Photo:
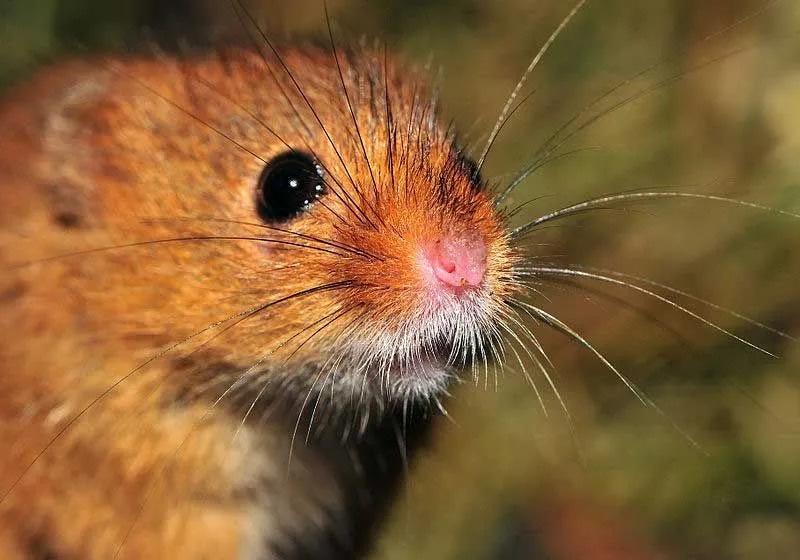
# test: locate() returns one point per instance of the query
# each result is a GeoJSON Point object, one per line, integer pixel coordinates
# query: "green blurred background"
{"type": "Point", "coordinates": [504, 479]}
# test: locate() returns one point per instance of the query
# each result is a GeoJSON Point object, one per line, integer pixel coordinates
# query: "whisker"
{"type": "Point", "coordinates": [536, 166]}
{"type": "Point", "coordinates": [525, 373]}
{"type": "Point", "coordinates": [349, 102]}
{"type": "Point", "coordinates": [509, 214]}
{"type": "Point", "coordinates": [206, 414]}
{"type": "Point", "coordinates": [242, 314]}
{"type": "Point", "coordinates": [565, 329]}
{"type": "Point", "coordinates": [308, 237]}
{"type": "Point", "coordinates": [639, 196]}
{"type": "Point", "coordinates": [322, 203]}
{"type": "Point", "coordinates": [111, 388]}
{"type": "Point", "coordinates": [622, 302]}
{"type": "Point", "coordinates": [198, 238]}
{"type": "Point", "coordinates": [299, 419]}
{"type": "Point", "coordinates": [562, 327]}
{"type": "Point", "coordinates": [693, 297]}
{"type": "Point", "coordinates": [641, 396]}
{"type": "Point", "coordinates": [151, 487]}
{"type": "Point", "coordinates": [551, 382]}
{"type": "Point", "coordinates": [547, 375]}
{"type": "Point", "coordinates": [238, 8]}
{"type": "Point", "coordinates": [500, 125]}
{"type": "Point", "coordinates": [316, 406]}
{"type": "Point", "coordinates": [241, 108]}
{"type": "Point", "coordinates": [261, 122]}
{"type": "Point", "coordinates": [575, 272]}
{"type": "Point", "coordinates": [553, 144]}
{"type": "Point", "coordinates": [535, 62]}
{"type": "Point", "coordinates": [284, 343]}
{"type": "Point", "coordinates": [113, 68]}
{"type": "Point", "coordinates": [409, 125]}
{"type": "Point", "coordinates": [629, 80]}
{"type": "Point", "coordinates": [402, 447]}
{"type": "Point", "coordinates": [389, 118]}
{"type": "Point", "coordinates": [305, 99]}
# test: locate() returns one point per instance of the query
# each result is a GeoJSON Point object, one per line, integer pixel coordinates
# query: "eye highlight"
{"type": "Point", "coordinates": [288, 186]}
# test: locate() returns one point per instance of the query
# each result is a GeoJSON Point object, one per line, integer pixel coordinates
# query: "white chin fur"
{"type": "Point", "coordinates": [417, 360]}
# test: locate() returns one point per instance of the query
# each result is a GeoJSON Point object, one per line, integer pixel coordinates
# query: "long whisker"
{"type": "Point", "coordinates": [498, 129]}
{"type": "Point", "coordinates": [349, 102]}
{"type": "Point", "coordinates": [151, 487]}
{"type": "Point", "coordinates": [241, 108]}
{"type": "Point", "coordinates": [622, 302]}
{"type": "Point", "coordinates": [525, 373]}
{"type": "Point", "coordinates": [188, 239]}
{"type": "Point", "coordinates": [548, 377]}
{"type": "Point", "coordinates": [324, 287]}
{"type": "Point", "coordinates": [558, 325]}
{"type": "Point", "coordinates": [389, 117]}
{"type": "Point", "coordinates": [269, 129]}
{"type": "Point", "coordinates": [302, 93]}
{"type": "Point", "coordinates": [247, 313]}
{"type": "Point", "coordinates": [208, 412]}
{"type": "Point", "coordinates": [627, 81]}
{"type": "Point", "coordinates": [533, 64]}
{"type": "Point", "coordinates": [308, 237]}
{"type": "Point", "coordinates": [693, 297]}
{"type": "Point", "coordinates": [574, 272]}
{"type": "Point", "coordinates": [639, 196]}
{"type": "Point", "coordinates": [409, 125]}
{"type": "Point", "coordinates": [238, 9]}
{"type": "Point", "coordinates": [336, 316]}
{"type": "Point", "coordinates": [562, 327]}
{"type": "Point", "coordinates": [300, 417]}
{"type": "Point", "coordinates": [241, 11]}
{"type": "Point", "coordinates": [316, 405]}
{"type": "Point", "coordinates": [554, 143]}
{"type": "Point", "coordinates": [538, 164]}
{"type": "Point", "coordinates": [115, 69]}
{"type": "Point", "coordinates": [326, 319]}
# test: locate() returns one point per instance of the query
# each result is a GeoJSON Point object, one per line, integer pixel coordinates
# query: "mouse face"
{"type": "Point", "coordinates": [303, 218]}
{"type": "Point", "coordinates": [186, 231]}
{"type": "Point", "coordinates": [298, 228]}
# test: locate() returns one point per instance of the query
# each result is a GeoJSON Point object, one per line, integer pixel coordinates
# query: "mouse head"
{"type": "Point", "coordinates": [302, 216]}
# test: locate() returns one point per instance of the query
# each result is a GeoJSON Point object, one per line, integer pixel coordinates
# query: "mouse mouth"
{"type": "Point", "coordinates": [428, 362]}
{"type": "Point", "coordinates": [422, 360]}
{"type": "Point", "coordinates": [427, 376]}
{"type": "Point", "coordinates": [418, 361]}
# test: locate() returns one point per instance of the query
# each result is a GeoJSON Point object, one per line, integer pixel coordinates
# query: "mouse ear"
{"type": "Point", "coordinates": [288, 186]}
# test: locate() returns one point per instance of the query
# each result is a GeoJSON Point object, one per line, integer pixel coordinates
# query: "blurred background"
{"type": "Point", "coordinates": [721, 115]}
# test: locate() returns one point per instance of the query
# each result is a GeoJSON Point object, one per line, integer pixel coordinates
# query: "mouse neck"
{"type": "Point", "coordinates": [328, 467]}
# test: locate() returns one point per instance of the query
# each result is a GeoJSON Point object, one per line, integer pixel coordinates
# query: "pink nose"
{"type": "Point", "coordinates": [459, 261]}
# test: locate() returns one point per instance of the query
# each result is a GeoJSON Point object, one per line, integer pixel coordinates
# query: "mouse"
{"type": "Point", "coordinates": [238, 284]}
{"type": "Point", "coordinates": [322, 248]}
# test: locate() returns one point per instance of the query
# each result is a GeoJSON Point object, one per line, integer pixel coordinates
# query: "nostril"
{"type": "Point", "coordinates": [448, 266]}
{"type": "Point", "coordinates": [459, 261]}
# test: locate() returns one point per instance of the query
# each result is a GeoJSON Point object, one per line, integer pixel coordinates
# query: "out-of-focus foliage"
{"type": "Point", "coordinates": [720, 115]}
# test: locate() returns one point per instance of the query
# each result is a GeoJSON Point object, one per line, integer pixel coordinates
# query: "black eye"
{"type": "Point", "coordinates": [288, 186]}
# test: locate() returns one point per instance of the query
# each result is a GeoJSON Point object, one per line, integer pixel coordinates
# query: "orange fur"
{"type": "Point", "coordinates": [119, 151]}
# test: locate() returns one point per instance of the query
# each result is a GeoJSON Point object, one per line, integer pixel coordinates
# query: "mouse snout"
{"type": "Point", "coordinates": [458, 261]}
